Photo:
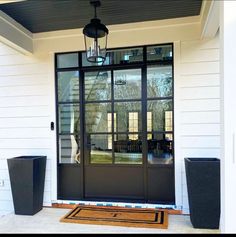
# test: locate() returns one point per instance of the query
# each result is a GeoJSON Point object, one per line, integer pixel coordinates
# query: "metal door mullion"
{"type": "Point", "coordinates": [112, 116]}
{"type": "Point", "coordinates": [82, 131]}
{"type": "Point", "coordinates": [144, 123]}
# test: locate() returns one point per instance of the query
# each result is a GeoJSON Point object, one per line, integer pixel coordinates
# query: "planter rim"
{"type": "Point", "coordinates": [202, 159]}
{"type": "Point", "coordinates": [25, 157]}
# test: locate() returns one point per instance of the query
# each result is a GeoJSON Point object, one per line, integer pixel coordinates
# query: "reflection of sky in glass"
{"type": "Point", "coordinates": [76, 74]}
{"type": "Point", "coordinates": [130, 75]}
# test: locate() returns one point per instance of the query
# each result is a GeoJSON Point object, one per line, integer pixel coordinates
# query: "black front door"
{"type": "Point", "coordinates": [114, 167]}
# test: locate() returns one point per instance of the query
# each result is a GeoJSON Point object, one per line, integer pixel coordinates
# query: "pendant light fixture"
{"type": "Point", "coordinates": [95, 38]}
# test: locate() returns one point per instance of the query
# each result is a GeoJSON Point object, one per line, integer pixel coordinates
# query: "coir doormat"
{"type": "Point", "coordinates": [118, 216]}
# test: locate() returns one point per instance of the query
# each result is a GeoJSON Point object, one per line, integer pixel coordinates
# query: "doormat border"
{"type": "Point", "coordinates": [160, 220]}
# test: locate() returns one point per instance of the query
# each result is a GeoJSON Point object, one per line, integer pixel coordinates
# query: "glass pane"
{"type": "Point", "coordinates": [127, 84]}
{"type": "Point", "coordinates": [125, 56]}
{"type": "Point", "coordinates": [149, 122]}
{"type": "Point", "coordinates": [69, 118]}
{"type": "Point", "coordinates": [99, 150]}
{"type": "Point", "coordinates": [160, 149]}
{"type": "Point", "coordinates": [126, 122]}
{"type": "Point", "coordinates": [68, 86]}
{"type": "Point", "coordinates": [86, 63]}
{"type": "Point", "coordinates": [97, 86]}
{"type": "Point", "coordinates": [163, 52]}
{"type": "Point", "coordinates": [161, 119]}
{"type": "Point", "coordinates": [67, 60]}
{"type": "Point", "coordinates": [96, 117]}
{"type": "Point", "coordinates": [69, 149]}
{"type": "Point", "coordinates": [128, 151]}
{"type": "Point", "coordinates": [118, 56]}
{"type": "Point", "coordinates": [159, 81]}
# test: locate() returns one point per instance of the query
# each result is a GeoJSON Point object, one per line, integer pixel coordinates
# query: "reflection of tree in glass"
{"type": "Point", "coordinates": [159, 85]}
{"type": "Point", "coordinates": [158, 109]}
{"type": "Point", "coordinates": [122, 109]}
{"type": "Point", "coordinates": [159, 81]}
{"type": "Point", "coordinates": [132, 88]}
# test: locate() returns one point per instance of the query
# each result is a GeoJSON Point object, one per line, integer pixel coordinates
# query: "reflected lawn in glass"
{"type": "Point", "coordinates": [128, 158]}
{"type": "Point", "coordinates": [101, 157]}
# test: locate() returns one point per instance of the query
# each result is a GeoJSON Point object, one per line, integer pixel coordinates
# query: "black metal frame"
{"type": "Point", "coordinates": [143, 100]}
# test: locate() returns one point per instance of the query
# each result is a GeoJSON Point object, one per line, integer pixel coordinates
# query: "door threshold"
{"type": "Point", "coordinates": [172, 209]}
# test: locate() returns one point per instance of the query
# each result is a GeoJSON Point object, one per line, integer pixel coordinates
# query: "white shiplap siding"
{"type": "Point", "coordinates": [199, 103]}
{"type": "Point", "coordinates": [25, 115]}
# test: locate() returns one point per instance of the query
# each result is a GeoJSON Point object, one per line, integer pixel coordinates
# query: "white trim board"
{"type": "Point", "coordinates": [15, 35]}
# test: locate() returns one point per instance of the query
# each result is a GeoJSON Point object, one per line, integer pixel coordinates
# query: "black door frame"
{"type": "Point", "coordinates": [64, 169]}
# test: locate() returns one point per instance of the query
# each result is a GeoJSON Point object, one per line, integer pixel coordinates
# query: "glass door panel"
{"type": "Point", "coordinates": [68, 86]}
{"type": "Point", "coordinates": [69, 118]}
{"type": "Point", "coordinates": [97, 86]}
{"type": "Point", "coordinates": [128, 149]}
{"type": "Point", "coordinates": [96, 117]}
{"type": "Point", "coordinates": [161, 111]}
{"type": "Point", "coordinates": [68, 112]}
{"type": "Point", "coordinates": [129, 117]}
{"type": "Point", "coordinates": [127, 84]}
{"type": "Point", "coordinates": [159, 81]}
{"type": "Point", "coordinates": [100, 152]}
{"type": "Point", "coordinates": [160, 149]}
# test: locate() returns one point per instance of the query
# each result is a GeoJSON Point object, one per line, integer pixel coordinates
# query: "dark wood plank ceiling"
{"type": "Point", "coordinates": [49, 15]}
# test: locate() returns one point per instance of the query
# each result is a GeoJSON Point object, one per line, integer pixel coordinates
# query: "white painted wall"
{"type": "Point", "coordinates": [228, 116]}
{"type": "Point", "coordinates": [27, 97]}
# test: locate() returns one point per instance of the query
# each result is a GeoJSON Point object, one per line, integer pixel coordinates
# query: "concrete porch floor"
{"type": "Point", "coordinates": [47, 221]}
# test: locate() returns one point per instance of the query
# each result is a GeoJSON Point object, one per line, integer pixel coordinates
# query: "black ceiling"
{"type": "Point", "coordinates": [48, 15]}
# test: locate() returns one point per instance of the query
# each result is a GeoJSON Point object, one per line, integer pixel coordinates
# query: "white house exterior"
{"type": "Point", "coordinates": [202, 103]}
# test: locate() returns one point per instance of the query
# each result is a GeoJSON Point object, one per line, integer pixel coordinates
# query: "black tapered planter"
{"type": "Point", "coordinates": [27, 176]}
{"type": "Point", "coordinates": [203, 186]}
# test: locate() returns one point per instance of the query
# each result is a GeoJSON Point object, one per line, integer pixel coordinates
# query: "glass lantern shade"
{"type": "Point", "coordinates": [95, 38]}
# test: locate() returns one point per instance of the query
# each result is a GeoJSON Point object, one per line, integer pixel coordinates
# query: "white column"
{"type": "Point", "coordinates": [228, 115]}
